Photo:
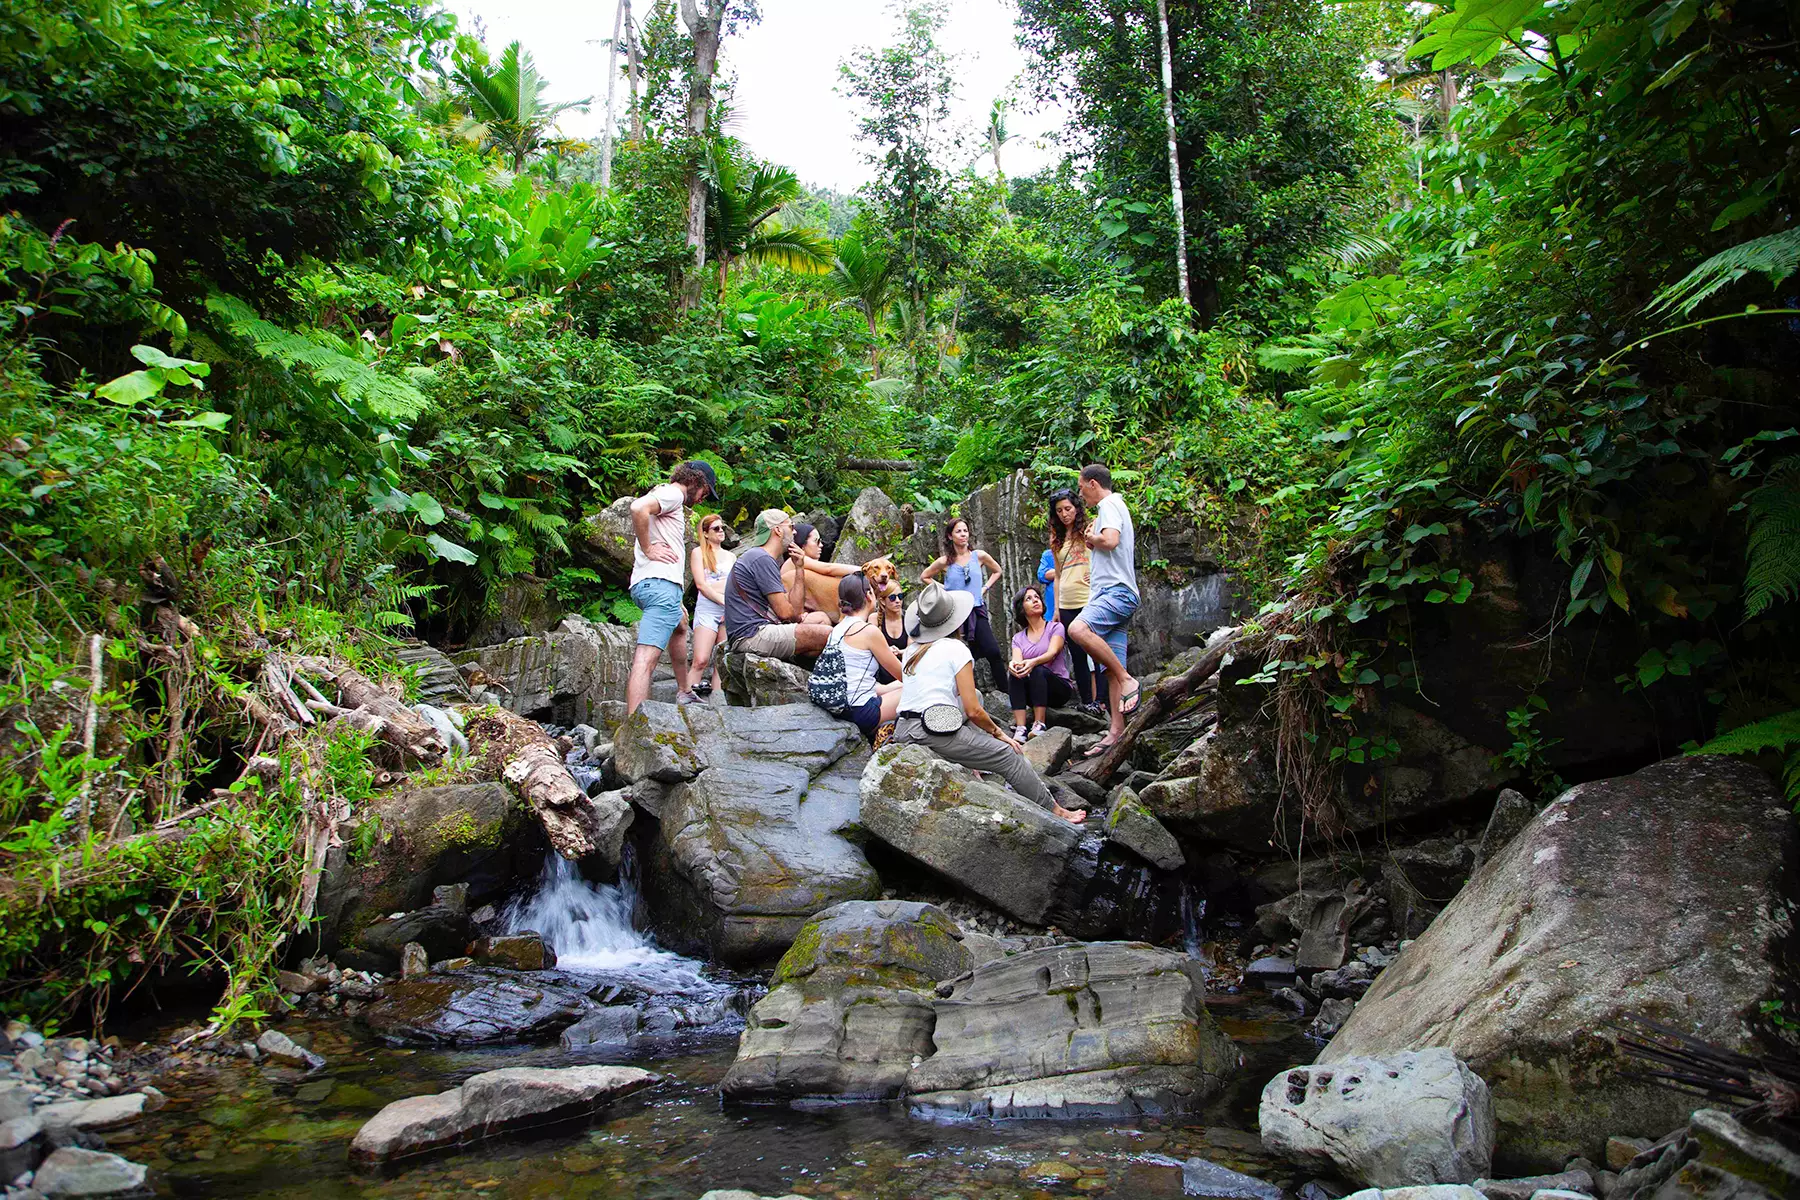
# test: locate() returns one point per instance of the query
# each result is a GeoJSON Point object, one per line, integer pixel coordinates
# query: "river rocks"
{"type": "Point", "coordinates": [1718, 1159]}
{"type": "Point", "coordinates": [280, 1046]}
{"type": "Point", "coordinates": [1399, 1120]}
{"type": "Point", "coordinates": [1223, 788]}
{"type": "Point", "coordinates": [1048, 751]}
{"type": "Point", "coordinates": [749, 840]}
{"type": "Point", "coordinates": [562, 676]}
{"type": "Point", "coordinates": [490, 1104]}
{"type": "Point", "coordinates": [1430, 1191]}
{"type": "Point", "coordinates": [514, 951]}
{"type": "Point", "coordinates": [850, 1005]}
{"type": "Point", "coordinates": [1579, 1182]}
{"type": "Point", "coordinates": [1003, 848]}
{"type": "Point", "coordinates": [1080, 1029]}
{"type": "Point", "coordinates": [90, 1116]}
{"type": "Point", "coordinates": [438, 680]}
{"type": "Point", "coordinates": [477, 1006]}
{"type": "Point", "coordinates": [872, 530]}
{"type": "Point", "coordinates": [441, 930]}
{"type": "Point", "coordinates": [754, 681]}
{"type": "Point", "coordinates": [72, 1171]}
{"type": "Point", "coordinates": [1661, 894]}
{"type": "Point", "coordinates": [1130, 824]}
{"type": "Point", "coordinates": [604, 539]}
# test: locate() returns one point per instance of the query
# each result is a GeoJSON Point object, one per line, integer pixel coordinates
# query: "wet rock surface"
{"type": "Point", "coordinates": [490, 1104]}
{"type": "Point", "coordinates": [478, 1006]}
{"type": "Point", "coordinates": [1660, 894]}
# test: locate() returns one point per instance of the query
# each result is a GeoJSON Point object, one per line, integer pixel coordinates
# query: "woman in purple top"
{"type": "Point", "coordinates": [1038, 677]}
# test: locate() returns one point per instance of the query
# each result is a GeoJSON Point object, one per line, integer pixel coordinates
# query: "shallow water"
{"type": "Point", "coordinates": [243, 1130]}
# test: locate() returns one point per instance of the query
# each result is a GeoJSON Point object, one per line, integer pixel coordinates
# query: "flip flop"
{"type": "Point", "coordinates": [1128, 703]}
{"type": "Point", "coordinates": [1097, 749]}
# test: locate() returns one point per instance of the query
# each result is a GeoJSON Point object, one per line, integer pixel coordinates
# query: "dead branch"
{"type": "Point", "coordinates": [364, 704]}
{"type": "Point", "coordinates": [535, 769]}
{"type": "Point", "coordinates": [1159, 706]}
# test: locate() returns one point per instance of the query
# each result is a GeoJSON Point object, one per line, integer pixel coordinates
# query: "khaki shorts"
{"type": "Point", "coordinates": [771, 641]}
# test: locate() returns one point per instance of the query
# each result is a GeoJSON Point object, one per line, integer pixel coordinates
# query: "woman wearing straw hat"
{"type": "Point", "coordinates": [938, 700]}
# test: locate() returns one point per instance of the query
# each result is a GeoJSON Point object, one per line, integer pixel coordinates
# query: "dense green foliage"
{"type": "Point", "coordinates": [315, 331]}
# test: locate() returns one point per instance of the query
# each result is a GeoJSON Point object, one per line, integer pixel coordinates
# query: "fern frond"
{"type": "Point", "coordinates": [1781, 732]}
{"type": "Point", "coordinates": [1776, 256]}
{"type": "Point", "coordinates": [1353, 248]}
{"type": "Point", "coordinates": [1772, 572]}
{"type": "Point", "coordinates": [320, 361]}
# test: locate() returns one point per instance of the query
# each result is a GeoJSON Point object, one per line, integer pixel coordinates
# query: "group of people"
{"type": "Point", "coordinates": [881, 662]}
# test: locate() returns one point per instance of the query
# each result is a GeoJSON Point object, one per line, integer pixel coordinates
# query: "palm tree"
{"type": "Point", "coordinates": [743, 201]}
{"type": "Point", "coordinates": [508, 107]}
{"type": "Point", "coordinates": [863, 275]}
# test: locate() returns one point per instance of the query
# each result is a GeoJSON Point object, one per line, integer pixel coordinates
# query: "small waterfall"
{"type": "Point", "coordinates": [1193, 911]}
{"type": "Point", "coordinates": [590, 927]}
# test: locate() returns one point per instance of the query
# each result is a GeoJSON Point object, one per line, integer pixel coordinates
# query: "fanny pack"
{"type": "Point", "coordinates": [942, 718]}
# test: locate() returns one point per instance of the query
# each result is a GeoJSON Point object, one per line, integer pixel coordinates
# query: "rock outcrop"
{"type": "Point", "coordinates": [985, 837]}
{"type": "Point", "coordinates": [1665, 894]}
{"type": "Point", "coordinates": [603, 539]}
{"type": "Point", "coordinates": [490, 1104]}
{"type": "Point", "coordinates": [850, 1005]}
{"type": "Point", "coordinates": [1078, 1029]}
{"type": "Point", "coordinates": [755, 681]}
{"type": "Point", "coordinates": [71, 1172]}
{"type": "Point", "coordinates": [1130, 824]}
{"type": "Point", "coordinates": [562, 676]}
{"type": "Point", "coordinates": [1402, 1120]}
{"type": "Point", "coordinates": [871, 530]}
{"type": "Point", "coordinates": [751, 818]}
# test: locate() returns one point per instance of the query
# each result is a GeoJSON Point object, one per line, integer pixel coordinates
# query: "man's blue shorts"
{"type": "Point", "coordinates": [1108, 612]}
{"type": "Point", "coordinates": [661, 601]}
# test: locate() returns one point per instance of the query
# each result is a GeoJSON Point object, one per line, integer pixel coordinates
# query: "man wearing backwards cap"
{"type": "Point", "coordinates": [659, 528]}
{"type": "Point", "coordinates": [762, 614]}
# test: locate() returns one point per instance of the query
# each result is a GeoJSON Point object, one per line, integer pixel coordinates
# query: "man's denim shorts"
{"type": "Point", "coordinates": [1108, 613]}
{"type": "Point", "coordinates": [661, 601]}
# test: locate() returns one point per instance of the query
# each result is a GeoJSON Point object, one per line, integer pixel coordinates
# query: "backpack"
{"type": "Point", "coordinates": [830, 686]}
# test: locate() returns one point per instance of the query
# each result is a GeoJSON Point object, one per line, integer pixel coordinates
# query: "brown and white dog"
{"type": "Point", "coordinates": [822, 590]}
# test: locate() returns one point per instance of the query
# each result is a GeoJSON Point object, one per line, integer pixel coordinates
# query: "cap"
{"type": "Point", "coordinates": [766, 521]}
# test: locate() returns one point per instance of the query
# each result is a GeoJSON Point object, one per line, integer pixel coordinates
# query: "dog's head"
{"type": "Point", "coordinates": [883, 576]}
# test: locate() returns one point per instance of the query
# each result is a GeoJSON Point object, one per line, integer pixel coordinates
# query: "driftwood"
{"type": "Point", "coordinates": [577, 825]}
{"type": "Point", "coordinates": [1158, 706]}
{"type": "Point", "coordinates": [364, 704]}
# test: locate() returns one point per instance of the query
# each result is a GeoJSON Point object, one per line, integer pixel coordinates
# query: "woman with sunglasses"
{"type": "Point", "coordinates": [709, 563]}
{"type": "Point", "coordinates": [1069, 574]}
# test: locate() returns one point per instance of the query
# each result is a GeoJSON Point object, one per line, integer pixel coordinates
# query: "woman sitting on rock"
{"type": "Point", "coordinates": [938, 693]}
{"type": "Point", "coordinates": [1038, 676]}
{"type": "Point", "coordinates": [891, 620]}
{"type": "Point", "coordinates": [871, 703]}
{"type": "Point", "coordinates": [822, 576]}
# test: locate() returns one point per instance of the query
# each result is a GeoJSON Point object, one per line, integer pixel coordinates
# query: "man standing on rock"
{"type": "Point", "coordinates": [659, 537]}
{"type": "Point", "coordinates": [1112, 599]}
{"type": "Point", "coordinates": [763, 615]}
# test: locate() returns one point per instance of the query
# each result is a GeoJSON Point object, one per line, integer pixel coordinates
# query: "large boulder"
{"type": "Point", "coordinates": [490, 1104]}
{"type": "Point", "coordinates": [437, 678]}
{"type": "Point", "coordinates": [871, 530]}
{"type": "Point", "coordinates": [1078, 1029]}
{"type": "Point", "coordinates": [1402, 1120]}
{"type": "Point", "coordinates": [518, 607]}
{"type": "Point", "coordinates": [755, 681]}
{"type": "Point", "coordinates": [562, 676]}
{"type": "Point", "coordinates": [421, 838]}
{"type": "Point", "coordinates": [603, 540]}
{"type": "Point", "coordinates": [478, 1006]}
{"type": "Point", "coordinates": [749, 833]}
{"type": "Point", "coordinates": [1223, 788]}
{"type": "Point", "coordinates": [985, 837]}
{"type": "Point", "coordinates": [72, 1171]}
{"type": "Point", "coordinates": [850, 1004]}
{"type": "Point", "coordinates": [1665, 894]}
{"type": "Point", "coordinates": [1130, 824]}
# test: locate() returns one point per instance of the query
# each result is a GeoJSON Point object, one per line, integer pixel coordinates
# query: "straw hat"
{"type": "Point", "coordinates": [937, 613]}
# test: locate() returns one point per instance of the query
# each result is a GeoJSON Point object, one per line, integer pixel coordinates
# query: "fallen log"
{"type": "Point", "coordinates": [1161, 704]}
{"type": "Point", "coordinates": [364, 704]}
{"type": "Point", "coordinates": [577, 824]}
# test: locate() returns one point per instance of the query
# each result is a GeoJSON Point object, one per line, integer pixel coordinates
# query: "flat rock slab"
{"type": "Point", "coordinates": [90, 1116]}
{"type": "Point", "coordinates": [1049, 750]}
{"type": "Point", "coordinates": [478, 1006]}
{"type": "Point", "coordinates": [993, 842]}
{"type": "Point", "coordinates": [1080, 1029]}
{"type": "Point", "coordinates": [1401, 1120]}
{"type": "Point", "coordinates": [490, 1104]}
{"type": "Point", "coordinates": [72, 1172]}
{"type": "Point", "coordinates": [1661, 894]}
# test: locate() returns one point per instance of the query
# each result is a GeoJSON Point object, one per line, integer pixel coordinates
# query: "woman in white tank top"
{"type": "Point", "coordinates": [709, 564]}
{"type": "Point", "coordinates": [858, 634]}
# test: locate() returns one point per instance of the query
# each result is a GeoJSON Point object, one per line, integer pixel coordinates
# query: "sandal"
{"type": "Point", "coordinates": [1097, 749]}
{"type": "Point", "coordinates": [1128, 703]}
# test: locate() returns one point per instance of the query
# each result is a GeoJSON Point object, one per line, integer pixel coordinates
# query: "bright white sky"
{"type": "Point", "coordinates": [786, 73]}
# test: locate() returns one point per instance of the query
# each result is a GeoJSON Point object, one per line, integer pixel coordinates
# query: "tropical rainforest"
{"type": "Point", "coordinates": [317, 332]}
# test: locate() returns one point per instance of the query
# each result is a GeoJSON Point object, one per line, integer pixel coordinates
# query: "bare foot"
{"type": "Point", "coordinates": [1072, 815]}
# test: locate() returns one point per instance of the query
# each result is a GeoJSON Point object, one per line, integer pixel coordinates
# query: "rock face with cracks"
{"type": "Point", "coordinates": [1401, 1120]}
{"type": "Point", "coordinates": [850, 1005]}
{"type": "Point", "coordinates": [987, 838]}
{"type": "Point", "coordinates": [489, 1104]}
{"type": "Point", "coordinates": [1664, 894]}
{"type": "Point", "coordinates": [1079, 1029]}
{"type": "Point", "coordinates": [751, 830]}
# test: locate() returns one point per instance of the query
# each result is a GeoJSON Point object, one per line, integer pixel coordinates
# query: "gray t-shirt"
{"type": "Point", "coordinates": [1118, 565]}
{"type": "Point", "coordinates": [753, 578]}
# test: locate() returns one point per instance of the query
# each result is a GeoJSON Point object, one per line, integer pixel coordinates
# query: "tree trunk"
{"type": "Point", "coordinates": [705, 26]}
{"type": "Point", "coordinates": [1158, 706]}
{"type": "Point", "coordinates": [634, 70]}
{"type": "Point", "coordinates": [1168, 82]}
{"type": "Point", "coordinates": [612, 79]}
{"type": "Point", "coordinates": [577, 824]}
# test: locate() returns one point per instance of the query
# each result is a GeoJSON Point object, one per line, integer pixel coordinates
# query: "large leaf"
{"type": "Point", "coordinates": [1474, 31]}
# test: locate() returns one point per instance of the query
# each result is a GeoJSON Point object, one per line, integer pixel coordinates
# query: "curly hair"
{"type": "Point", "coordinates": [1058, 535]}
